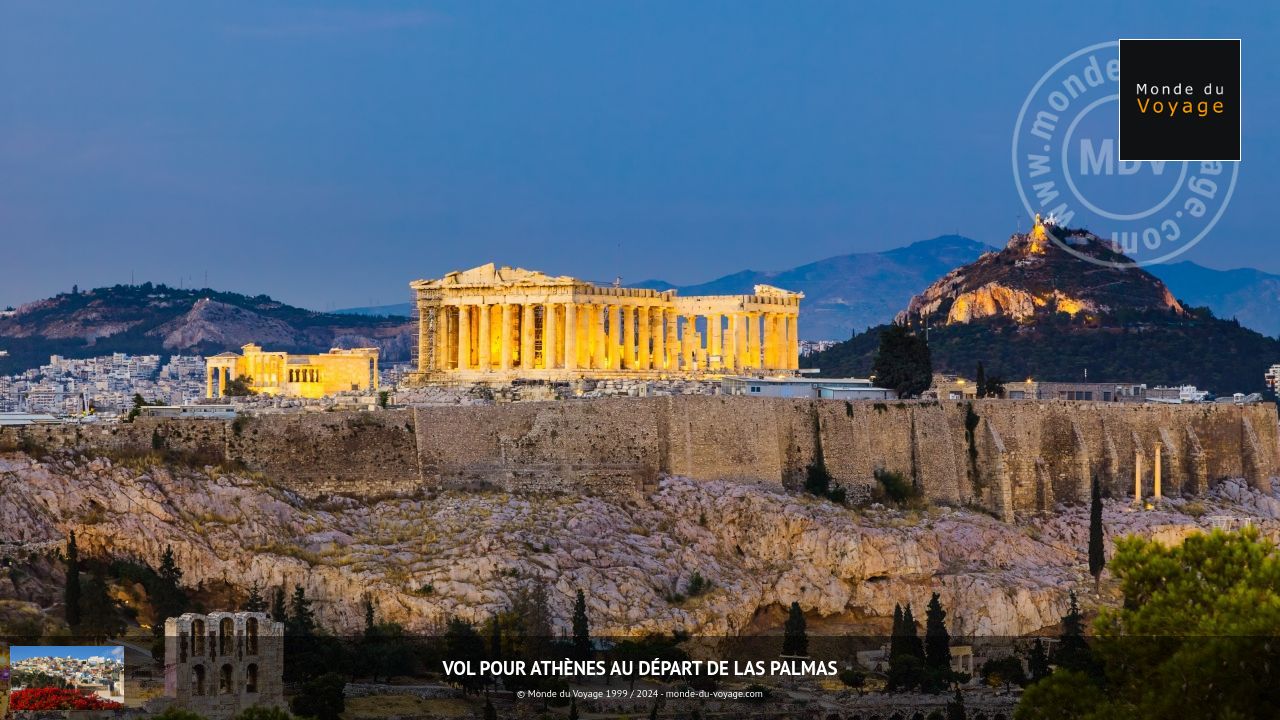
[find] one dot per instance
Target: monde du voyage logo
(1134, 140)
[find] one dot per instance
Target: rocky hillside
(1034, 278)
(155, 319)
(1033, 309)
(465, 554)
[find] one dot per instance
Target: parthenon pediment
(490, 275)
(771, 291)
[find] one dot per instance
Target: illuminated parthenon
(501, 324)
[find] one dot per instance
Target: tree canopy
(903, 362)
(1195, 636)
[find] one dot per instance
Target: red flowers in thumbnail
(58, 699)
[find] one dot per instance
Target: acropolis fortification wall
(1009, 456)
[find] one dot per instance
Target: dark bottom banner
(240, 666)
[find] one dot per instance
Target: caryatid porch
(501, 324)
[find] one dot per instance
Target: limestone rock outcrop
(1036, 276)
(428, 557)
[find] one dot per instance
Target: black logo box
(1183, 64)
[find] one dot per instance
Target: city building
(68, 387)
(801, 387)
(282, 373)
(492, 324)
(1273, 378)
(952, 387)
(20, 418)
(811, 347)
(207, 412)
(1177, 395)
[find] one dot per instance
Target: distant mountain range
(849, 293)
(155, 319)
(1248, 295)
(843, 294)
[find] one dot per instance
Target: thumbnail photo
(66, 677)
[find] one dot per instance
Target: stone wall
(1005, 455)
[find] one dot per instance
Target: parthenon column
(614, 361)
(644, 335)
(443, 338)
(642, 338)
(424, 363)
(485, 343)
(793, 341)
(464, 337)
(686, 341)
(599, 349)
(740, 341)
(504, 336)
(729, 347)
(527, 342)
(715, 347)
(550, 346)
(570, 336)
(584, 336)
(753, 340)
(658, 332)
(673, 339)
(769, 339)
(628, 337)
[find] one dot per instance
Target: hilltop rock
(1035, 276)
(210, 322)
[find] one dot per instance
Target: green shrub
(697, 585)
(852, 678)
(895, 487)
(257, 712)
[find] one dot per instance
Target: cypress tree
(937, 645)
(71, 596)
(302, 620)
(278, 612)
(1038, 662)
(495, 638)
(911, 634)
(1073, 652)
(906, 654)
(981, 381)
(1097, 554)
(368, 616)
(573, 709)
(895, 639)
(255, 602)
(99, 619)
(490, 713)
(169, 598)
(795, 641)
(581, 629)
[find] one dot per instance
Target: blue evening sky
(328, 153)
(79, 652)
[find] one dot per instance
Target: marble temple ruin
(498, 324)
